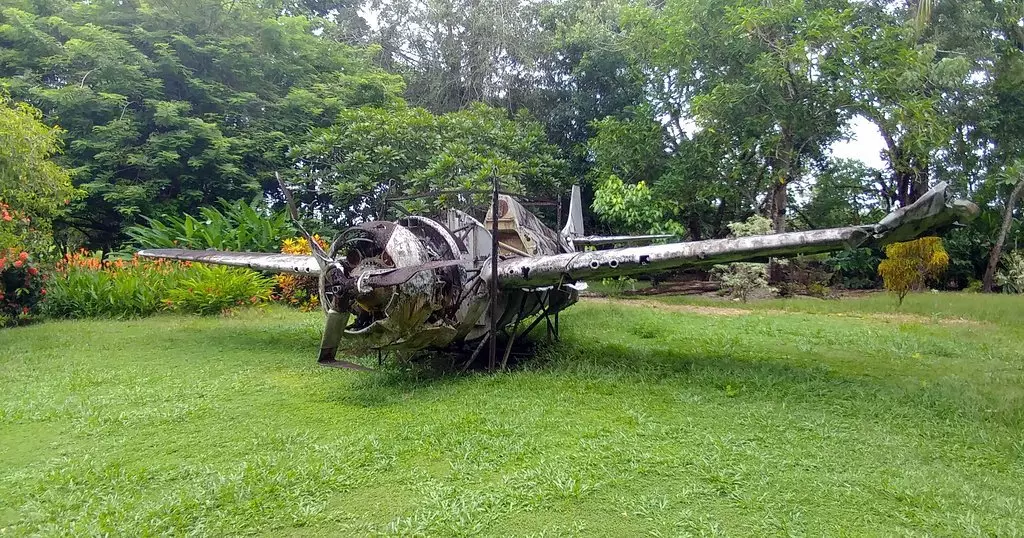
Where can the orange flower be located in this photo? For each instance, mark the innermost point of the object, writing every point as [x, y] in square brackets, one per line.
[18, 263]
[23, 255]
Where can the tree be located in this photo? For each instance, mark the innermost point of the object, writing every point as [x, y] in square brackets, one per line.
[351, 169]
[456, 52]
[33, 188]
[899, 84]
[911, 264]
[171, 105]
[1014, 177]
[749, 88]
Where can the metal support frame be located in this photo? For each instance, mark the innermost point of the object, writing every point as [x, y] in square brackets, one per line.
[493, 288]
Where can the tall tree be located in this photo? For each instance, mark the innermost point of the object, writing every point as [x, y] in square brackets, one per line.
[173, 104]
[902, 84]
[456, 52]
[33, 188]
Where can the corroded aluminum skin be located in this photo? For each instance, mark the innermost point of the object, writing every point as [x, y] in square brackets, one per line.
[572, 267]
[612, 239]
[275, 263]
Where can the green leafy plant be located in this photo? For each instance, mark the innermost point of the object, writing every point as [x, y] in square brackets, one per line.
[741, 279]
[85, 286]
[239, 226]
[21, 287]
[857, 268]
[213, 290]
[1011, 277]
[619, 285]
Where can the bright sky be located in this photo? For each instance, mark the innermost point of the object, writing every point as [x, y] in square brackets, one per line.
[865, 144]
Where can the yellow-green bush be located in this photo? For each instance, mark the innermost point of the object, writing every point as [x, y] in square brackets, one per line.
[909, 266]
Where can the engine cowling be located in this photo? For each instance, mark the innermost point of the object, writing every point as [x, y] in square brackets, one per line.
[419, 309]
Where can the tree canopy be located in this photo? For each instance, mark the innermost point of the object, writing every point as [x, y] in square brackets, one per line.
[33, 189]
[675, 115]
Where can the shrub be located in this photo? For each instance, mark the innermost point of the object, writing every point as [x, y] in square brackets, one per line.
[1011, 277]
[21, 287]
[238, 226]
[299, 290]
[619, 285]
[908, 266]
[819, 290]
[857, 269]
[85, 286]
[741, 279]
[755, 225]
[217, 289]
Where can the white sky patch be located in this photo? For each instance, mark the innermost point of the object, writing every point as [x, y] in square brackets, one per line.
[865, 144]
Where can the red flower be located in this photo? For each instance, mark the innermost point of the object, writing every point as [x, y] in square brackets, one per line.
[7, 216]
[24, 310]
[42, 291]
[23, 255]
[33, 271]
[18, 263]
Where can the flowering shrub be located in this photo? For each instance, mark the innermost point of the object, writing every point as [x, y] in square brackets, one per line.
[87, 286]
[17, 230]
[21, 287]
[217, 289]
[298, 290]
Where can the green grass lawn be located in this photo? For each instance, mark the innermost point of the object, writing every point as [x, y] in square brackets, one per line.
[798, 417]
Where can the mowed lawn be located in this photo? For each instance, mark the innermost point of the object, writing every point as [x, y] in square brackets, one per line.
[793, 417]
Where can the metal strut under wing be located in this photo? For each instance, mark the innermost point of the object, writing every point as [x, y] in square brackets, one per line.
[260, 261]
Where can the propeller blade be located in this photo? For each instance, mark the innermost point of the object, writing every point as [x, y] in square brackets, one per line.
[333, 331]
[318, 252]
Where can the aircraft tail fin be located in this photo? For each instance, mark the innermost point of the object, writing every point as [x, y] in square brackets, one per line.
[574, 224]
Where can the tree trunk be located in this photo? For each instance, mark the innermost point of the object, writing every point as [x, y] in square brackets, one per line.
[779, 198]
[997, 249]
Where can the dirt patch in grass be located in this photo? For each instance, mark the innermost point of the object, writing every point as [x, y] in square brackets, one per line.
[732, 311]
[686, 308]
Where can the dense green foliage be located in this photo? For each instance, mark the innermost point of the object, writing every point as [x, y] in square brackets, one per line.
[239, 226]
[646, 420]
[33, 188]
[85, 286]
[370, 154]
[171, 105]
[213, 290]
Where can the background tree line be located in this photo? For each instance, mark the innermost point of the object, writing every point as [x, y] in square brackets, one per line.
[676, 115]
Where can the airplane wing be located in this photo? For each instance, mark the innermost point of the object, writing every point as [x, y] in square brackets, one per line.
[934, 212]
[275, 263]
